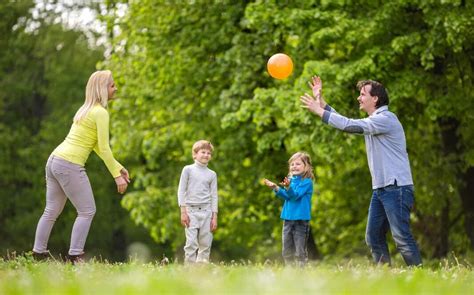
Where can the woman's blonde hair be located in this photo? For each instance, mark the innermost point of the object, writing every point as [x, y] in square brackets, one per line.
[96, 92]
[306, 159]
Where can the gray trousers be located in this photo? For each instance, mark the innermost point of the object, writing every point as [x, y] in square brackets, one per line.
[294, 239]
[198, 234]
[65, 180]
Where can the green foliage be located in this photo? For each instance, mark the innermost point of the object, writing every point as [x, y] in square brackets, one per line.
[44, 68]
[197, 70]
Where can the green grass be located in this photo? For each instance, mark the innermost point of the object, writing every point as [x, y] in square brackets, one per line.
[25, 276]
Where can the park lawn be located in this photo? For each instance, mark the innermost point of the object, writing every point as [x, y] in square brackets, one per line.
[24, 276]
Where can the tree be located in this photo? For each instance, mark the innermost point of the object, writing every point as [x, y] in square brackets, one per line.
[192, 71]
[44, 68]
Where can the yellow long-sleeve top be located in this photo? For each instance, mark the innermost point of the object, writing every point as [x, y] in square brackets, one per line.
[91, 133]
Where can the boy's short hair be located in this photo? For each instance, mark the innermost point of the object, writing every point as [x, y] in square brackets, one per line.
[202, 145]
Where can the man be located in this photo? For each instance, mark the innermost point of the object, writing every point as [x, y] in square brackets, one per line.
[392, 183]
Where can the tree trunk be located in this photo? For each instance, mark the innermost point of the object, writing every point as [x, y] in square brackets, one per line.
[467, 198]
[442, 245]
[449, 127]
[451, 145]
[313, 252]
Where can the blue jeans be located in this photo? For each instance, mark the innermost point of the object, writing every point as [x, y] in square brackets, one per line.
[294, 238]
[390, 208]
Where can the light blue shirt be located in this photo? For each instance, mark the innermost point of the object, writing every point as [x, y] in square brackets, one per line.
[297, 198]
[384, 141]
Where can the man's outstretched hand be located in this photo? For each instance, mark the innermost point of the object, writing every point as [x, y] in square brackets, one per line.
[312, 104]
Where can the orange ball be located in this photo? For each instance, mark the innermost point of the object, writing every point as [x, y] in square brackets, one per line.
[280, 66]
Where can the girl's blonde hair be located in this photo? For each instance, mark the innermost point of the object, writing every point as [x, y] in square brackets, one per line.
[96, 92]
[306, 159]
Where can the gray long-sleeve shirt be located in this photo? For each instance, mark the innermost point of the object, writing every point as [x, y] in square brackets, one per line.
[384, 141]
[198, 186]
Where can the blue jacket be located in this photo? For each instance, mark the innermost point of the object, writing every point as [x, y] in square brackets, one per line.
[297, 198]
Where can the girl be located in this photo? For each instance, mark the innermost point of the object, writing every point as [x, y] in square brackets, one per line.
[296, 191]
[66, 176]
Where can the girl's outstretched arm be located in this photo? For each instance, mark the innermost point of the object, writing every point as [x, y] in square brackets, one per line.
[271, 184]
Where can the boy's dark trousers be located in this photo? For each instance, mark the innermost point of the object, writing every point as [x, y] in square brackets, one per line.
[295, 237]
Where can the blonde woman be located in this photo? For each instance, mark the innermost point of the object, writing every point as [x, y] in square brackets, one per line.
[66, 176]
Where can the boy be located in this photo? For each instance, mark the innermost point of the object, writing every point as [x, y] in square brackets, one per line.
[197, 198]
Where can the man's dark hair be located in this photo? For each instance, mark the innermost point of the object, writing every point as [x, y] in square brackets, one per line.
[376, 89]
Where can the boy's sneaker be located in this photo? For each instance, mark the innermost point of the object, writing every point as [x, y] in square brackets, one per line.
[76, 259]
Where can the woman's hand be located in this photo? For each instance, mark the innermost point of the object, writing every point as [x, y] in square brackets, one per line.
[125, 175]
[121, 184]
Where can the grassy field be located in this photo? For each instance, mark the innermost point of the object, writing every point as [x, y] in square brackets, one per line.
[25, 276]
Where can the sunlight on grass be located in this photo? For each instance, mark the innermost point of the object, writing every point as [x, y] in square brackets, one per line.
[25, 276]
